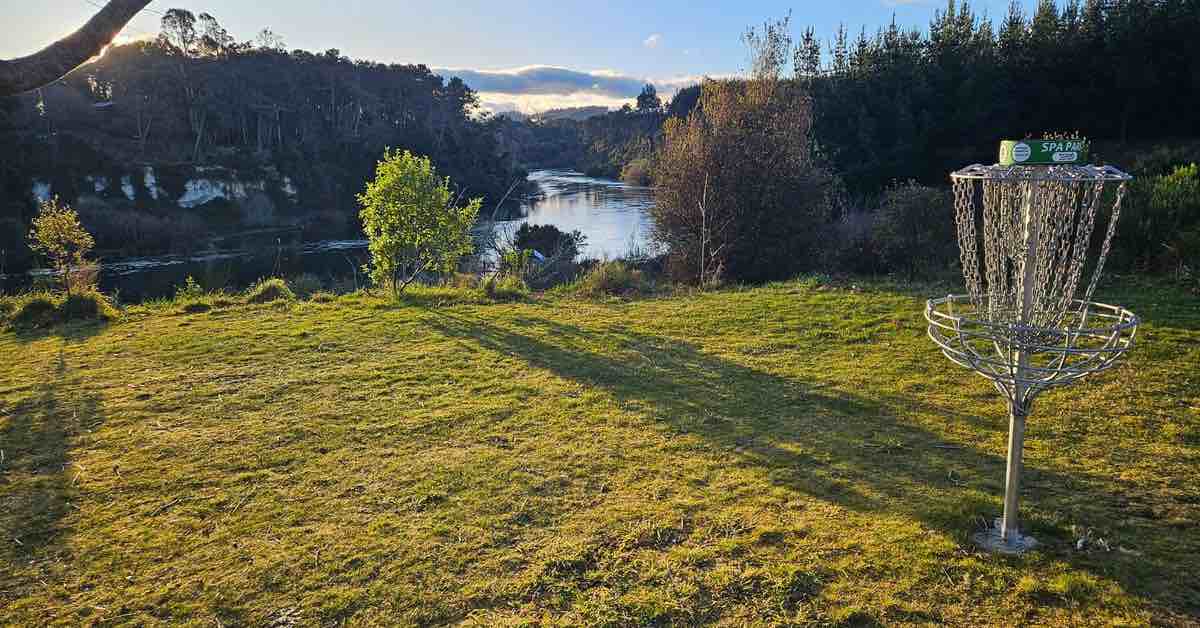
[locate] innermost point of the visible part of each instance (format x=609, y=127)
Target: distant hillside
x=570, y=113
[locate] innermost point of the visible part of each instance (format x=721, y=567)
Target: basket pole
x=1018, y=405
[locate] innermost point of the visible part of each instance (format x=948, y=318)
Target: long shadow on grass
x=37, y=483
x=853, y=450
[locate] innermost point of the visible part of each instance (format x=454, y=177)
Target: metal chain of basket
x=1063, y=203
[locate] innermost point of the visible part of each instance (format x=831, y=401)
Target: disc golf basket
x=1029, y=229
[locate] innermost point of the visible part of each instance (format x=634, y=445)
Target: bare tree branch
x=56, y=60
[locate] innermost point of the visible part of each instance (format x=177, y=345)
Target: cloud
x=540, y=87
x=547, y=80
x=653, y=41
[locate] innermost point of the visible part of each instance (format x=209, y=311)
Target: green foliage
x=412, y=221
x=1159, y=228
x=915, y=228
x=612, y=279
x=269, y=290
x=516, y=262
x=57, y=234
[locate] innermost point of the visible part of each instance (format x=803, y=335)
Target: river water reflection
x=612, y=215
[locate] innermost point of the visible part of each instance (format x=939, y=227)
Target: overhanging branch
x=56, y=60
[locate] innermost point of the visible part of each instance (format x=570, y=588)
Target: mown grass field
x=792, y=454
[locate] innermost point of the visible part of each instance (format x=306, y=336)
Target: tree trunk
x=56, y=60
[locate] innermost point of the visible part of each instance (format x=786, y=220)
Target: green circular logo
x=1021, y=152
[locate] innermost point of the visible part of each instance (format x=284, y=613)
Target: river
x=612, y=216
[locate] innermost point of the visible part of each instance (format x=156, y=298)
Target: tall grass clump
x=305, y=285
x=270, y=290
x=612, y=279
x=504, y=287
x=41, y=310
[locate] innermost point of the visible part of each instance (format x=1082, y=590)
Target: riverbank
x=792, y=453
x=611, y=215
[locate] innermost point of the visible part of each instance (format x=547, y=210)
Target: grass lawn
x=786, y=454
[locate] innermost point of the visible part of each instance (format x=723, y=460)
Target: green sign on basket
x=1043, y=152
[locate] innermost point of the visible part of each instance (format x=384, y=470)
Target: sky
x=528, y=56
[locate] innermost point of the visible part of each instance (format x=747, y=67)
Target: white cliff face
x=208, y=184
x=127, y=187
x=289, y=189
x=100, y=184
x=200, y=191
x=151, y=183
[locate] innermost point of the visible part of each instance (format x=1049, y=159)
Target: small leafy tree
x=412, y=221
x=57, y=234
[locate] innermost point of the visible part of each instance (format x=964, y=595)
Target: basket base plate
x=989, y=540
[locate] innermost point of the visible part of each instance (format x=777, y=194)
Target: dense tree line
x=902, y=105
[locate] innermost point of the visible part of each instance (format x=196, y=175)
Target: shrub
x=500, y=287
x=739, y=191
x=915, y=228
x=612, y=279
x=189, y=290
x=323, y=297
x=549, y=240
x=412, y=221
x=269, y=290
x=87, y=306
x=57, y=234
x=1160, y=221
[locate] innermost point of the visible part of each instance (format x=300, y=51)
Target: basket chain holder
x=1025, y=233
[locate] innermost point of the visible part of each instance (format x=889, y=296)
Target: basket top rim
x=1084, y=173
